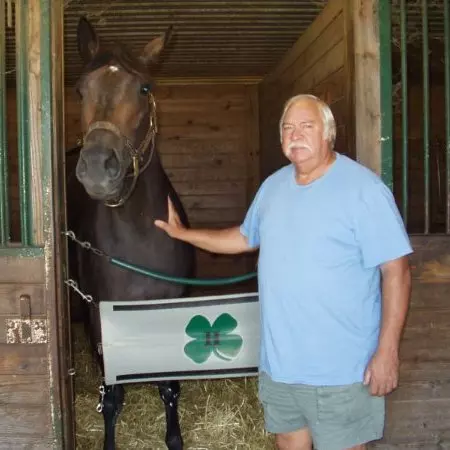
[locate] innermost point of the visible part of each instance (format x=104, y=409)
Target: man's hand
x=382, y=373
x=173, y=227
x=225, y=241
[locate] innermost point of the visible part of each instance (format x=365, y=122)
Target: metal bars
x=384, y=15
x=426, y=116
x=417, y=30
x=23, y=126
x=404, y=78
x=4, y=206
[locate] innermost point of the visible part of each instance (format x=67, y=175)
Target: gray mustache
x=298, y=144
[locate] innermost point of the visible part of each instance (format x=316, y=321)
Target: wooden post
x=252, y=137
x=55, y=245
x=367, y=113
x=35, y=111
x=349, y=70
x=253, y=159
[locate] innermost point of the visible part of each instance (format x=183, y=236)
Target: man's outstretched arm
x=226, y=240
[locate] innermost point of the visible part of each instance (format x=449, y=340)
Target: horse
x=116, y=190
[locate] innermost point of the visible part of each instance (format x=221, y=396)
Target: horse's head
x=118, y=112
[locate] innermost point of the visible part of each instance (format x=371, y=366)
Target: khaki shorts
x=338, y=417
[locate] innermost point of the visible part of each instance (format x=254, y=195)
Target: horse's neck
x=150, y=193
x=153, y=182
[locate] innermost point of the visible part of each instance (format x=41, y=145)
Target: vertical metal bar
x=23, y=137
x=426, y=116
x=384, y=17
x=4, y=206
x=404, y=68
x=447, y=107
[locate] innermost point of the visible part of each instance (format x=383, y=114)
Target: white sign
x=183, y=338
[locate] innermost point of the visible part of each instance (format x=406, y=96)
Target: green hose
x=193, y=282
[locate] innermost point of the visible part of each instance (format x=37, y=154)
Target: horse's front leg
x=169, y=392
x=111, y=402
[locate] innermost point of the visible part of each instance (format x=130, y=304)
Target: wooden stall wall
x=319, y=63
x=208, y=142
x=25, y=409
x=418, y=412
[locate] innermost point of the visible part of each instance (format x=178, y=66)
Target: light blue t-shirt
x=321, y=246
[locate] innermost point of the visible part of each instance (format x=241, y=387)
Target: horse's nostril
x=112, y=166
x=81, y=167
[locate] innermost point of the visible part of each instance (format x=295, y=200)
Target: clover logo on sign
x=215, y=338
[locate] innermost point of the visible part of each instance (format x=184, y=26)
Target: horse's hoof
x=175, y=443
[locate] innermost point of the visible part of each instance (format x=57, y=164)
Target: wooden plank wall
x=25, y=409
x=418, y=412
x=208, y=141
x=209, y=145
x=319, y=63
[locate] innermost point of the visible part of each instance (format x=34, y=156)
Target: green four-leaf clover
x=215, y=338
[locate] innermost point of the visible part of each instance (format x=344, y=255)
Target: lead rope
x=149, y=273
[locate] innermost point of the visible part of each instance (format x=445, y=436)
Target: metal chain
x=85, y=244
x=88, y=246
x=73, y=284
x=101, y=389
x=87, y=297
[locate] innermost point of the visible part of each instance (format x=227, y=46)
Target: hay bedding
x=214, y=414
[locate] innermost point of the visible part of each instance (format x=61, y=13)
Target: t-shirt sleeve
x=250, y=226
x=379, y=227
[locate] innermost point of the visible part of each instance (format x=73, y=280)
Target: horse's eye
x=145, y=89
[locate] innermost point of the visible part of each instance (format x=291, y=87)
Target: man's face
x=302, y=135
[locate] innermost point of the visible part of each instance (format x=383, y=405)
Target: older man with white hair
x=334, y=286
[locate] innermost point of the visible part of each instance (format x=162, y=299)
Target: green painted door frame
x=40, y=119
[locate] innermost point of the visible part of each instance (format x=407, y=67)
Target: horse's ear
x=88, y=43
x=154, y=48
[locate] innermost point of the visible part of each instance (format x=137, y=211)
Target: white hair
x=329, y=124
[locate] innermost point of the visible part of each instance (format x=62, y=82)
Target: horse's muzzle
x=101, y=171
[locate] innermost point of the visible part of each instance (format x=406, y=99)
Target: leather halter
x=137, y=155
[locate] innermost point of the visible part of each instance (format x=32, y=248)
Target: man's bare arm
x=396, y=290
x=225, y=241
x=383, y=369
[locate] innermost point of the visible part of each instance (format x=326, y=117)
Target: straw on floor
x=214, y=414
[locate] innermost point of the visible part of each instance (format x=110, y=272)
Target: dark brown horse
x=120, y=188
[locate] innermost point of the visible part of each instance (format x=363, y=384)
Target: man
x=334, y=286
